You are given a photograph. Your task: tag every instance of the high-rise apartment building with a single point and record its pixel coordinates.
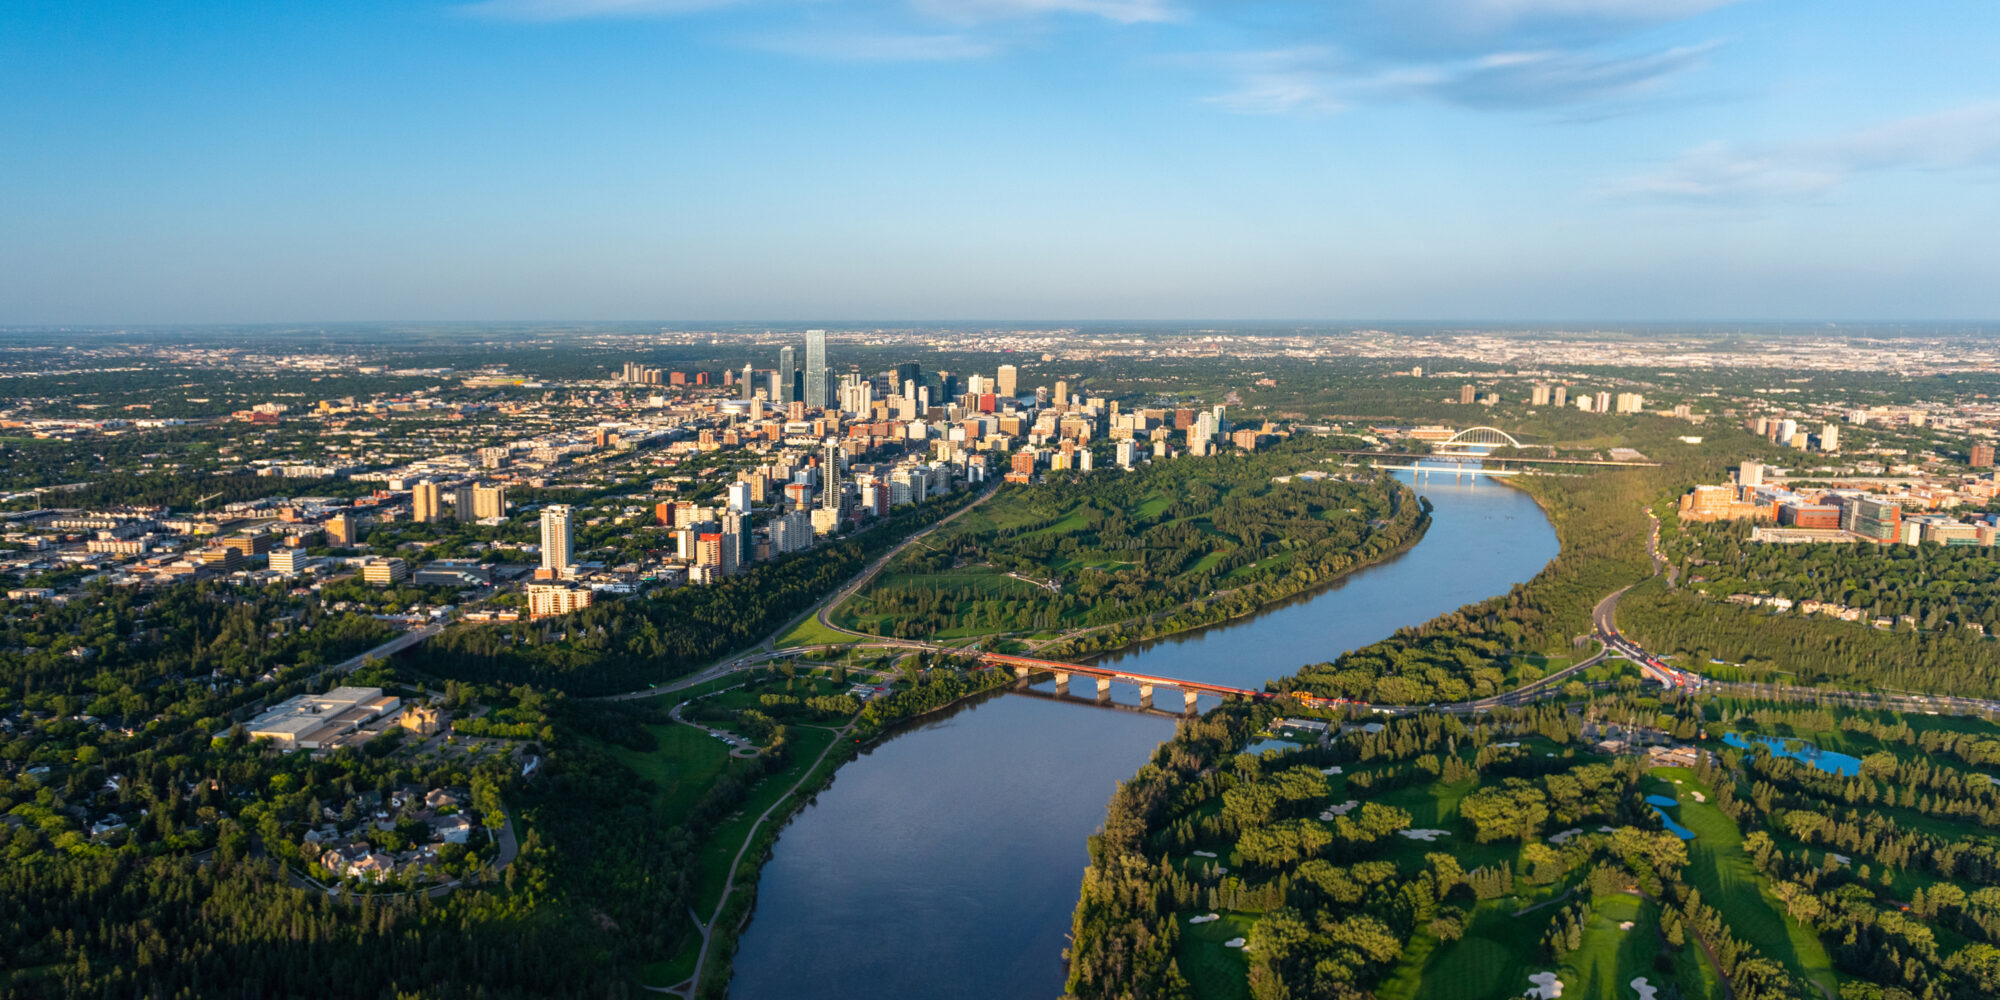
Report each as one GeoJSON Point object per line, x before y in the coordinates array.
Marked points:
{"type": "Point", "coordinates": [489, 501]}
{"type": "Point", "coordinates": [556, 538]}
{"type": "Point", "coordinates": [830, 490]}
{"type": "Point", "coordinates": [1009, 377]}
{"type": "Point", "coordinates": [1982, 456]}
{"type": "Point", "coordinates": [816, 369]}
{"type": "Point", "coordinates": [462, 502]}
{"type": "Point", "coordinates": [1750, 474]}
{"type": "Point", "coordinates": [737, 542]}
{"type": "Point", "coordinates": [1560, 397]}
{"type": "Point", "coordinates": [492, 458]}
{"type": "Point", "coordinates": [1467, 394]}
{"type": "Point", "coordinates": [1062, 392]}
{"type": "Point", "coordinates": [545, 600]}
{"type": "Point", "coordinates": [341, 529]}
{"type": "Point", "coordinates": [788, 376]}
{"type": "Point", "coordinates": [1539, 396]}
{"type": "Point", "coordinates": [425, 500]}
{"type": "Point", "coordinates": [1603, 403]}
{"type": "Point", "coordinates": [1829, 436]}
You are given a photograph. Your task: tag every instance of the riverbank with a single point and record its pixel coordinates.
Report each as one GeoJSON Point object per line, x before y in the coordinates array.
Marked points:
{"type": "Point", "coordinates": [1063, 650]}
{"type": "Point", "coordinates": [881, 720]}
{"type": "Point", "coordinates": [962, 836]}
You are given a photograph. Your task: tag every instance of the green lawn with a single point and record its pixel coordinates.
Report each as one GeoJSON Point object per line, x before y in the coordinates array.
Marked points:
{"type": "Point", "coordinates": [676, 968]}
{"type": "Point", "coordinates": [1493, 960]}
{"type": "Point", "coordinates": [1069, 523]}
{"type": "Point", "coordinates": [720, 849]}
{"type": "Point", "coordinates": [1718, 866]}
{"type": "Point", "coordinates": [1603, 968]}
{"type": "Point", "coordinates": [1215, 972]}
{"type": "Point", "coordinates": [1153, 507]}
{"type": "Point", "coordinates": [681, 769]}
{"type": "Point", "coordinates": [811, 633]}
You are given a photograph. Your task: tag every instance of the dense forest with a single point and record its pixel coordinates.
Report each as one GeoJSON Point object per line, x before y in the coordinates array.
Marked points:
{"type": "Point", "coordinates": [1938, 586]}
{"type": "Point", "coordinates": [1730, 642]}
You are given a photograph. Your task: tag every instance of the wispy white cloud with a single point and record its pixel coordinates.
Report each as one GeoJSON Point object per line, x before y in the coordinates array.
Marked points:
{"type": "Point", "coordinates": [865, 47]}
{"type": "Point", "coordinates": [1318, 79]}
{"type": "Point", "coordinates": [1962, 138]}
{"type": "Point", "coordinates": [578, 10]}
{"type": "Point", "coordinates": [951, 11]}
{"type": "Point", "coordinates": [1120, 11]}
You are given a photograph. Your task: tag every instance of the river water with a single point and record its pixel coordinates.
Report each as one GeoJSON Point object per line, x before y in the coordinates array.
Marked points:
{"type": "Point", "coordinates": [944, 862]}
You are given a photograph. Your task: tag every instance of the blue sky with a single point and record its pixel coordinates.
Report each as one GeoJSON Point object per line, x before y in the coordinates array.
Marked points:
{"type": "Point", "coordinates": [833, 160]}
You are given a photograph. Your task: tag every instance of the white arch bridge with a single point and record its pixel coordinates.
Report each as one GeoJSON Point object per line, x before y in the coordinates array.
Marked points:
{"type": "Point", "coordinates": [1477, 440]}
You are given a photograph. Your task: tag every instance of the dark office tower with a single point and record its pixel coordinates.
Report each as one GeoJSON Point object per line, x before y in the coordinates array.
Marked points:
{"type": "Point", "coordinates": [905, 373]}
{"type": "Point", "coordinates": [952, 387]}
{"type": "Point", "coordinates": [816, 369]}
{"type": "Point", "coordinates": [788, 375]}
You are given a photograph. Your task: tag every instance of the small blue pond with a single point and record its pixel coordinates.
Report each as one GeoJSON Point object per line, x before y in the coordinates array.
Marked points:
{"type": "Point", "coordinates": [1661, 800]}
{"type": "Point", "coordinates": [1672, 827]}
{"type": "Point", "coordinates": [1282, 746]}
{"type": "Point", "coordinates": [1829, 761]}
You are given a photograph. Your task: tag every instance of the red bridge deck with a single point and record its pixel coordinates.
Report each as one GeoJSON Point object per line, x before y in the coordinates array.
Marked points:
{"type": "Point", "coordinates": [1057, 666]}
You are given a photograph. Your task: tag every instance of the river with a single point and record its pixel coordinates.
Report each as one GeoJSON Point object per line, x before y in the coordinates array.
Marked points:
{"type": "Point", "coordinates": [944, 861]}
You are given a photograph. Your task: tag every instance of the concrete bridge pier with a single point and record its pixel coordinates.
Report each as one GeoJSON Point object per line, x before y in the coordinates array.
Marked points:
{"type": "Point", "coordinates": [1104, 689]}
{"type": "Point", "coordinates": [1145, 696]}
{"type": "Point", "coordinates": [1062, 683]}
{"type": "Point", "coordinates": [1190, 696]}
{"type": "Point", "coordinates": [1020, 673]}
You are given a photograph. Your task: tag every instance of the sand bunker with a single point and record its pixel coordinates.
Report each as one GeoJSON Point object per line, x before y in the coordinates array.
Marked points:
{"type": "Point", "coordinates": [1425, 835]}
{"type": "Point", "coordinates": [1204, 854]}
{"type": "Point", "coordinates": [1625, 925]}
{"type": "Point", "coordinates": [1513, 744]}
{"type": "Point", "coordinates": [1335, 769]}
{"type": "Point", "coordinates": [1563, 837]}
{"type": "Point", "coordinates": [1646, 990]}
{"type": "Point", "coordinates": [1547, 986]}
{"type": "Point", "coordinates": [1206, 918]}
{"type": "Point", "coordinates": [1698, 797]}
{"type": "Point", "coordinates": [1340, 810]}
{"type": "Point", "coordinates": [1235, 943]}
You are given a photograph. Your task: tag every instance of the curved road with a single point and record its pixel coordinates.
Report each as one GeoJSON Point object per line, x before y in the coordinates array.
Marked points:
{"type": "Point", "coordinates": [825, 610]}
{"type": "Point", "coordinates": [767, 650]}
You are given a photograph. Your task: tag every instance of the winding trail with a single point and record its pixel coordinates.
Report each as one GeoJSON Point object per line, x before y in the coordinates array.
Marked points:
{"type": "Point", "coordinates": [707, 927]}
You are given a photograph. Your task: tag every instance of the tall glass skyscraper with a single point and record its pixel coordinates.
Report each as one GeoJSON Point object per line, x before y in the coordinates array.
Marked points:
{"type": "Point", "coordinates": [816, 368]}
{"type": "Point", "coordinates": [788, 375]}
